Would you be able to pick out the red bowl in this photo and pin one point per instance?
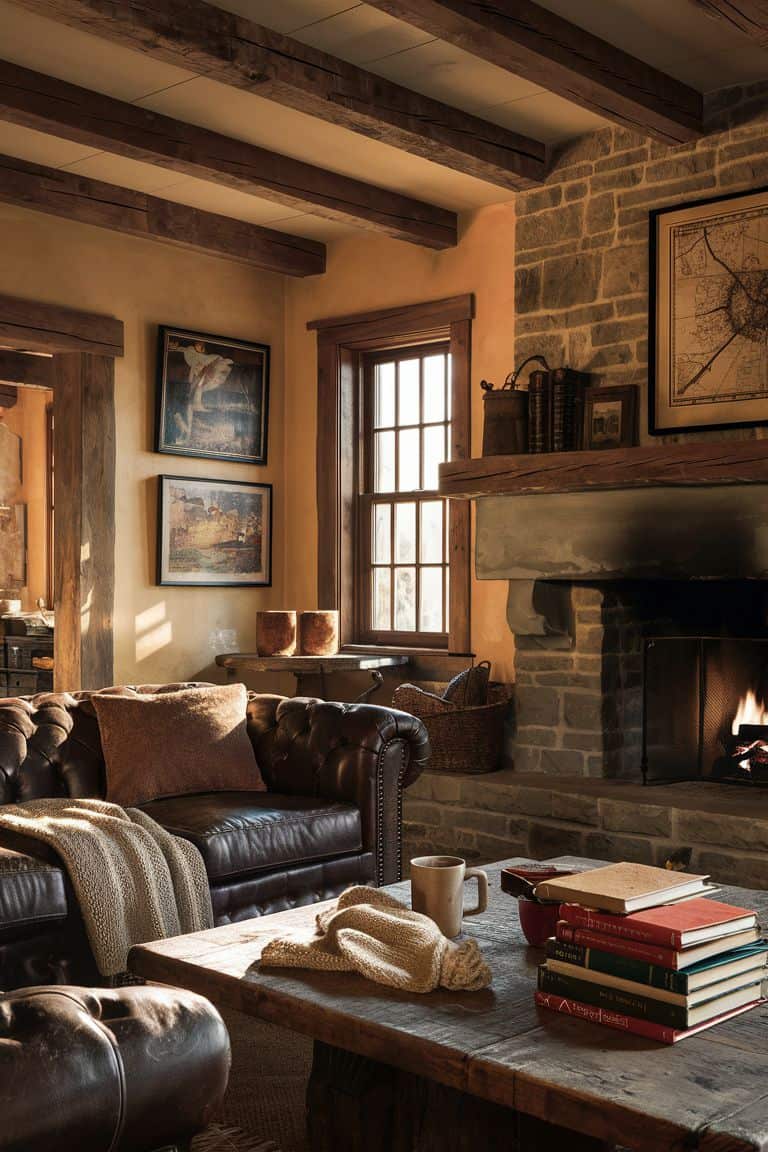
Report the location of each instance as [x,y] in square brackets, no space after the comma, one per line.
[537,920]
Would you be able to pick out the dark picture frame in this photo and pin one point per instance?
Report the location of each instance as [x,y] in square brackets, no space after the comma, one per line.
[212,396]
[213,533]
[610,417]
[693,322]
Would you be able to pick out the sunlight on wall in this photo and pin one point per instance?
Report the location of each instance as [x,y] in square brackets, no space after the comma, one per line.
[153,631]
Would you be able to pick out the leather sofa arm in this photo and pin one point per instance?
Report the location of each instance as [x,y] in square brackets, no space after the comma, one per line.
[131,1068]
[359,753]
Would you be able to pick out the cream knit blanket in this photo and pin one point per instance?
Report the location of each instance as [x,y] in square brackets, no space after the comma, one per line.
[134,881]
[370,932]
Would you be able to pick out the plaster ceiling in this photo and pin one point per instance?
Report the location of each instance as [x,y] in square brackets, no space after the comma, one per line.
[671,34]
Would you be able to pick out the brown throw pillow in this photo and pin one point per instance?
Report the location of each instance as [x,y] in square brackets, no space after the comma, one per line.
[175,743]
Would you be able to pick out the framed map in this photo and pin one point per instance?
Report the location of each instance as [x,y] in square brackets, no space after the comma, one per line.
[709,314]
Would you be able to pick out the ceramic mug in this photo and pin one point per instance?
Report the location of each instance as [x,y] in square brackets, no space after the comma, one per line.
[437,890]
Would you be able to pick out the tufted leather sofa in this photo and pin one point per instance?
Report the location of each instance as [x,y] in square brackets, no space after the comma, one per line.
[331,816]
[108,1071]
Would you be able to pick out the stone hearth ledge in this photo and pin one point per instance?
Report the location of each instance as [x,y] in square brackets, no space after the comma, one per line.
[509,813]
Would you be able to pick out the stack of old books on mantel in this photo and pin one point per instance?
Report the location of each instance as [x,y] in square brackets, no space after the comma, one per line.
[647,951]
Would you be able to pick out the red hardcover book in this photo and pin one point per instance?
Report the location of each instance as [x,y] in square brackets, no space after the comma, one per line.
[670,925]
[632,1024]
[652,953]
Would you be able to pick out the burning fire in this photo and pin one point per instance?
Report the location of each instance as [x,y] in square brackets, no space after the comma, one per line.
[749,712]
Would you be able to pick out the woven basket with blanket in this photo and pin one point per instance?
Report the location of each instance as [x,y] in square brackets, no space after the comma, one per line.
[465,721]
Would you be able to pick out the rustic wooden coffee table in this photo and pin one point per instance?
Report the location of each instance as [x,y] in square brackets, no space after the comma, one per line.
[459,1072]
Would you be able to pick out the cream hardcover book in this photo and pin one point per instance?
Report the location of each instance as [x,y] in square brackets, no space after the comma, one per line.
[622,888]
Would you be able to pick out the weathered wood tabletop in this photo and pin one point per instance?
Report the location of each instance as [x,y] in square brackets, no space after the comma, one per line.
[708,1093]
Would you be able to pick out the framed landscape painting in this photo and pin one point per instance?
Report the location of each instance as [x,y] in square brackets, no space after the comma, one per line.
[213,533]
[709,314]
[212,397]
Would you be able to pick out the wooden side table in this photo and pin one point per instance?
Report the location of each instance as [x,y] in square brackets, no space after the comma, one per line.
[236,663]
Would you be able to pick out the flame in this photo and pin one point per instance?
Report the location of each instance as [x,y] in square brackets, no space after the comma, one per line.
[749,712]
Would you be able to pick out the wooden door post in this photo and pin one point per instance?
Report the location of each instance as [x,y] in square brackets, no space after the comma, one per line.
[84,534]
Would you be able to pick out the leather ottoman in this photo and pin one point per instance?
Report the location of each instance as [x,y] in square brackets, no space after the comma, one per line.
[128,1070]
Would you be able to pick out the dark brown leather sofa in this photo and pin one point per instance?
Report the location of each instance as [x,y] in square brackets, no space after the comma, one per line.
[331,817]
[85,1070]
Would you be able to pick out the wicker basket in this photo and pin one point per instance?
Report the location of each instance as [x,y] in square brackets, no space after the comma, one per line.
[466,740]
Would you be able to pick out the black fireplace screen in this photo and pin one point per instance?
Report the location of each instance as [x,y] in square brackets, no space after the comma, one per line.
[705,709]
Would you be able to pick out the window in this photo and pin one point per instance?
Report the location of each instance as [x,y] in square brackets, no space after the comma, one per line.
[392,403]
[403,535]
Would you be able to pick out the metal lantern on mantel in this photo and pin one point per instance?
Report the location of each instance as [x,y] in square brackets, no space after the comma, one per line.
[505,413]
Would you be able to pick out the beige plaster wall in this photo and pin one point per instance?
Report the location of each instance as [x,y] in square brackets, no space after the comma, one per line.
[160,633]
[365,273]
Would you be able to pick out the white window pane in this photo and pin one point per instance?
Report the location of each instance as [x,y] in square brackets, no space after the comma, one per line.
[384,462]
[448,381]
[381,608]
[447,595]
[434,389]
[410,480]
[431,607]
[382,536]
[408,375]
[405,534]
[431,547]
[405,599]
[384,401]
[434,454]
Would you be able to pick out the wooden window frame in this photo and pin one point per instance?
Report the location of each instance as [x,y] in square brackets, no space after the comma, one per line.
[341,342]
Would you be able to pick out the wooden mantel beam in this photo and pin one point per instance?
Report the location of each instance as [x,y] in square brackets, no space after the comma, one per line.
[107,206]
[533,42]
[747,16]
[235,51]
[46,104]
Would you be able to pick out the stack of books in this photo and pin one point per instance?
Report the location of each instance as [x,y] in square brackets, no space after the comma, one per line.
[555,410]
[646,950]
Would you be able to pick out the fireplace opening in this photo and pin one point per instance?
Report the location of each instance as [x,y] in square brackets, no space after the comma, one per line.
[705,709]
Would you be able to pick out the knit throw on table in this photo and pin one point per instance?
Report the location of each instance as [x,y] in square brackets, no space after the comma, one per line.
[371,933]
[134,881]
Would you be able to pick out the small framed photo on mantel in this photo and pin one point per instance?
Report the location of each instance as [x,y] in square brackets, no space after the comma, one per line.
[212,397]
[213,533]
[610,417]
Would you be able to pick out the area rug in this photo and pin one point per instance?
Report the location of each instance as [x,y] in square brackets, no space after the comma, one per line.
[220,1138]
[265,1100]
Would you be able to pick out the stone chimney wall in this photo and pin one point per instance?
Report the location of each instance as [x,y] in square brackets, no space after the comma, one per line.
[581,281]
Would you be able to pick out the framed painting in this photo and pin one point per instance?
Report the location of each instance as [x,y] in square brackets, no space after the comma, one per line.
[213,533]
[212,397]
[709,314]
[610,417]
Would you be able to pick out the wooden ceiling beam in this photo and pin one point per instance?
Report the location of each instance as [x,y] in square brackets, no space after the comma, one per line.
[232,50]
[747,16]
[541,46]
[107,206]
[46,104]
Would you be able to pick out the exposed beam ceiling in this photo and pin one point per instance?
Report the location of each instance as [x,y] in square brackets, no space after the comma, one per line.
[748,16]
[541,46]
[66,110]
[232,50]
[63,193]
[16,368]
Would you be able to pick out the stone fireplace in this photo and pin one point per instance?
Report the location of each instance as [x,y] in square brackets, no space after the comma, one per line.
[604,594]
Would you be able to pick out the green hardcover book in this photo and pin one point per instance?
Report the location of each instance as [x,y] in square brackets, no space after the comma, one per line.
[685,981]
[644,1007]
